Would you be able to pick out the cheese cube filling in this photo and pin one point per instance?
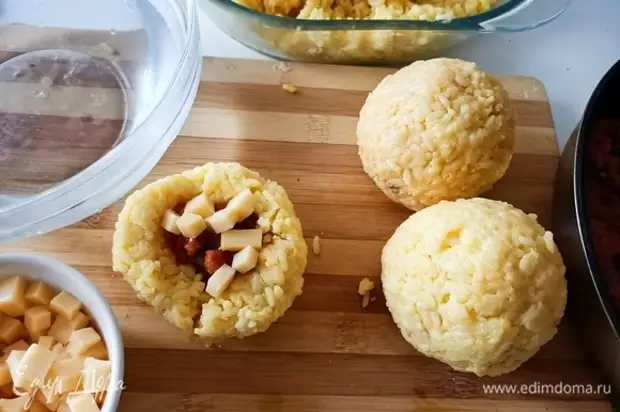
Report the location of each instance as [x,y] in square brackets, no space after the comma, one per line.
[206,229]
[35,325]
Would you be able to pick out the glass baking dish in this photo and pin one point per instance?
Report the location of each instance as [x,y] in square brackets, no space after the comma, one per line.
[371,41]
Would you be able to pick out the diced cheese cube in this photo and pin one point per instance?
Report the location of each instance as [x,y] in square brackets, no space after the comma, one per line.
[17,345]
[96,375]
[169,222]
[65,305]
[79,321]
[245,260]
[200,205]
[242,205]
[11,330]
[235,240]
[58,349]
[12,299]
[47,341]
[5,374]
[83,402]
[81,340]
[61,330]
[219,281]
[39,293]
[37,319]
[221,221]
[16,404]
[40,397]
[35,364]
[64,376]
[13,362]
[34,336]
[191,225]
[97,351]
[33,405]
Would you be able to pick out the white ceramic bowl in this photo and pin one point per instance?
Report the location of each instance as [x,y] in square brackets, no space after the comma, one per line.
[63,277]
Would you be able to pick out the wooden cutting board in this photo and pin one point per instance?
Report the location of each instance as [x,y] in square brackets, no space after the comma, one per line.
[326,353]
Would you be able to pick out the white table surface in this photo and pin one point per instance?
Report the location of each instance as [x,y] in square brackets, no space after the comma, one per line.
[569,55]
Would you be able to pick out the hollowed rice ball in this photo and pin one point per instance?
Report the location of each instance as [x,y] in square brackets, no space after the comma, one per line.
[439,129]
[476,283]
[254,300]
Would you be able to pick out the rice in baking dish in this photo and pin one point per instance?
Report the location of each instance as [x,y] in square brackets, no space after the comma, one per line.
[364,45]
[253,300]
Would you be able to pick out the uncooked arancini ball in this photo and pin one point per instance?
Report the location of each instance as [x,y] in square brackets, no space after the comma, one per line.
[436,130]
[475,283]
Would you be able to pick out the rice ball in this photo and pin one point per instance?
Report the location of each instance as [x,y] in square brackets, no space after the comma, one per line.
[254,300]
[439,129]
[474,283]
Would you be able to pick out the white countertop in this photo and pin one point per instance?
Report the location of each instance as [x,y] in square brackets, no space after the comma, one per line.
[569,55]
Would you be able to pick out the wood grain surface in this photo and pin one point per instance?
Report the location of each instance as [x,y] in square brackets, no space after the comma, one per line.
[326,353]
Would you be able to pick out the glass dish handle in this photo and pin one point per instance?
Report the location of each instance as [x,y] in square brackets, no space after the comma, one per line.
[528,15]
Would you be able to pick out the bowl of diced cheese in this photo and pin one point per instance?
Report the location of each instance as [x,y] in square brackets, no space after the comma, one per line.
[61,347]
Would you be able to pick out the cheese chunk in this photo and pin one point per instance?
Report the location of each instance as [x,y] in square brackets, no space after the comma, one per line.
[79,321]
[65,305]
[219,281]
[221,221]
[39,293]
[5,374]
[97,351]
[245,260]
[235,240]
[11,330]
[61,330]
[35,364]
[47,341]
[18,345]
[65,376]
[169,222]
[83,402]
[16,404]
[12,295]
[200,205]
[34,336]
[191,225]
[242,205]
[81,340]
[40,397]
[37,319]
[13,362]
[96,375]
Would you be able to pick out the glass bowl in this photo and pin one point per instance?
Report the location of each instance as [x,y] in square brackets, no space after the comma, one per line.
[98,91]
[350,41]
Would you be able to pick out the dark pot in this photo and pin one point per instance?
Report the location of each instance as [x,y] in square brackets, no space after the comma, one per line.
[590,302]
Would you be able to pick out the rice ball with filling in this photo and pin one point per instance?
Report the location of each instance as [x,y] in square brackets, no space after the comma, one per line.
[477,284]
[254,300]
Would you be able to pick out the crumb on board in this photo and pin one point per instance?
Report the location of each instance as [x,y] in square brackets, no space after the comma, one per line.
[365,287]
[126,315]
[282,67]
[289,88]
[316,245]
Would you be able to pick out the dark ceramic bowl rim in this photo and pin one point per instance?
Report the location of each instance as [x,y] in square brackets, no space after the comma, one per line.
[596,273]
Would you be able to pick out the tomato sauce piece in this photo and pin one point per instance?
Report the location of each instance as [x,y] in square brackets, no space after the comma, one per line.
[602,187]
